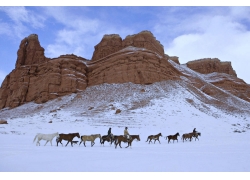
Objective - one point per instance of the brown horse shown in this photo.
(173, 137)
(187, 136)
(107, 138)
(67, 137)
(122, 138)
(196, 135)
(91, 138)
(190, 136)
(154, 137)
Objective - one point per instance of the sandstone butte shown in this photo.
(139, 59)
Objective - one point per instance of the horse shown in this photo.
(107, 138)
(91, 138)
(68, 137)
(154, 137)
(173, 137)
(187, 136)
(47, 137)
(124, 139)
(196, 135)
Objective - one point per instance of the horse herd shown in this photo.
(116, 139)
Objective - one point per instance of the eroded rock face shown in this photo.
(208, 65)
(139, 59)
(144, 39)
(108, 45)
(30, 52)
(44, 81)
(113, 43)
(222, 75)
(131, 64)
(231, 84)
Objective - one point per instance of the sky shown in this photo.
(189, 32)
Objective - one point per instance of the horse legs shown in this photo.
(92, 144)
(46, 142)
(67, 143)
(84, 143)
(80, 142)
(129, 144)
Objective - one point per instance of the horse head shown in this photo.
(78, 135)
(177, 134)
(160, 134)
(138, 138)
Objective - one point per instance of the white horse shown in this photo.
(47, 137)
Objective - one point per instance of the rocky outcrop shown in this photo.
(139, 59)
(220, 74)
(144, 39)
(3, 122)
(44, 81)
(231, 84)
(30, 52)
(108, 45)
(210, 65)
(113, 43)
(131, 64)
(174, 58)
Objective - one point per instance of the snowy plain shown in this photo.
(164, 107)
(222, 147)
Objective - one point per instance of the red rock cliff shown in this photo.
(208, 65)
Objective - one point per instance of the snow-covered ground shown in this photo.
(160, 108)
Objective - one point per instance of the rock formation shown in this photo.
(222, 75)
(39, 79)
(30, 52)
(139, 59)
(131, 64)
(113, 43)
(210, 65)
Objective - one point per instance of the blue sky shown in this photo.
(189, 32)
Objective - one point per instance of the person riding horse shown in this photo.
(126, 134)
(194, 131)
(109, 134)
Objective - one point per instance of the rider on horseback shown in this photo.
(194, 130)
(126, 134)
(110, 134)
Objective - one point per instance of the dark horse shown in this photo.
(67, 137)
(107, 138)
(121, 138)
(154, 137)
(196, 135)
(173, 137)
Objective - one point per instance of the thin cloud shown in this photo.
(211, 34)
(21, 21)
(79, 33)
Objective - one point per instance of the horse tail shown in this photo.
(35, 138)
